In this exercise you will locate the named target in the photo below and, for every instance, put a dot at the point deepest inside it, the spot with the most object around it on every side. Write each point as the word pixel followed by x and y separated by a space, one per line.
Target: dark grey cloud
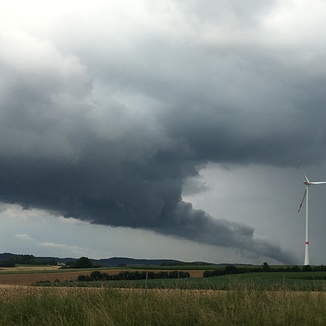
pixel 109 130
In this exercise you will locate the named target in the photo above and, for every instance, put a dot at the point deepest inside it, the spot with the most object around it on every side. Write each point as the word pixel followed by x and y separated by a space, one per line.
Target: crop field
pixel 271 298
pixel 28 275
pixel 25 305
pixel 259 281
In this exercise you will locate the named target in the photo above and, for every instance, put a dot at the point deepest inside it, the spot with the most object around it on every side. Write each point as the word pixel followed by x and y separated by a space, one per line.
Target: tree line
pixel 127 275
pixel 231 269
pixel 13 260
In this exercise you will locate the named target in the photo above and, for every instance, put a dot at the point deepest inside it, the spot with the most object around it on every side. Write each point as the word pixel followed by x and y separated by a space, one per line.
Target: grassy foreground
pixel 104 306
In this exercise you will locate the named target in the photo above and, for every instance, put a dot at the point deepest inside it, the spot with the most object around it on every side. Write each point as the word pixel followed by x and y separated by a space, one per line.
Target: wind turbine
pixel 307 183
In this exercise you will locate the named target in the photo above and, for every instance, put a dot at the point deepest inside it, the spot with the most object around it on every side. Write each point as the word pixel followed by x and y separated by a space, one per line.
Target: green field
pixel 294 281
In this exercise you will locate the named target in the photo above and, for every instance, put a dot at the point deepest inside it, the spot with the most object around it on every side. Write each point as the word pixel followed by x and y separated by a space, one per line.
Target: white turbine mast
pixel 307 183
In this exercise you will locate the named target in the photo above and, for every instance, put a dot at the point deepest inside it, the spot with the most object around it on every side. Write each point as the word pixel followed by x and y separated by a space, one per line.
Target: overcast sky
pixel 162 129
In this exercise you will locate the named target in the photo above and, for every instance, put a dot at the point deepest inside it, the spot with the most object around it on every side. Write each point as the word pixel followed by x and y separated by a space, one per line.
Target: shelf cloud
pixel 105 114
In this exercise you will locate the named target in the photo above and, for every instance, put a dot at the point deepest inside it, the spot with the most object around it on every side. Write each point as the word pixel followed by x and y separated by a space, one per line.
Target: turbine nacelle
pixel 309 183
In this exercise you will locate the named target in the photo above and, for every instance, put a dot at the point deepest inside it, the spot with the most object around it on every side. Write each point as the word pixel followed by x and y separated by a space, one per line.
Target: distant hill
pixel 6 256
pixel 114 261
pixel 117 261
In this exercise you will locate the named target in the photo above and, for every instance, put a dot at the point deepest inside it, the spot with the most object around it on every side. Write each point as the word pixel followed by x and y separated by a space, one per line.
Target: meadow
pixel 107 306
pixel 272 298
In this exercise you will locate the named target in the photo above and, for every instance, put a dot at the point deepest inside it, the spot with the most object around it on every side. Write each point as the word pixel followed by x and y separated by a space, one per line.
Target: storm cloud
pixel 106 112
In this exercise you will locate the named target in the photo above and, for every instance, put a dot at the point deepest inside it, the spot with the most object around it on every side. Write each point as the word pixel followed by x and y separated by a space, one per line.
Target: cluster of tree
pixel 82 262
pixel 7 263
pixel 231 269
pixel 13 260
pixel 98 276
pixel 180 263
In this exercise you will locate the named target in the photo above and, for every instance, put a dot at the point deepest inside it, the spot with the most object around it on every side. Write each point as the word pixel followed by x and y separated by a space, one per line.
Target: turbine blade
pixel 304 197
pixel 304 172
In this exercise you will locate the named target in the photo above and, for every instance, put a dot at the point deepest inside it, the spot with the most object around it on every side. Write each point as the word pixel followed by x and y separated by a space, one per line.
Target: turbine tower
pixel 307 183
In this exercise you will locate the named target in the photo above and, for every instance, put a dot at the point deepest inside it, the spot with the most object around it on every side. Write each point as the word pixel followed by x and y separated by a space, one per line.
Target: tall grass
pixel 84 306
